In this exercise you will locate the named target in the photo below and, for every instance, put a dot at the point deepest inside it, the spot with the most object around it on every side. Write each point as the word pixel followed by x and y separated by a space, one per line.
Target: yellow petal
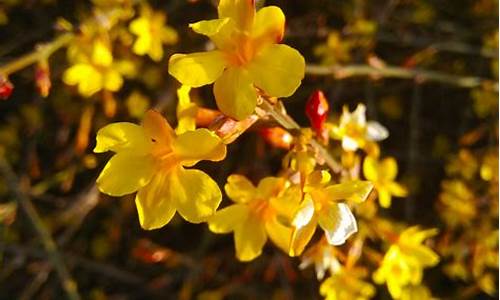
pixel 242 12
pixel 277 70
pixel 209 27
pixel 142 45
pixel 269 25
pixel 186 111
pixel 101 55
pixel 305 212
pixel 384 198
pixel 125 173
pixel 370 169
pixel 88 79
pixel 301 237
pixel 425 256
pixel 287 203
pixel 154 206
pixel 249 238
pixel 197 69
pixel 239 189
pixel 157 129
pixel 196 195
pixel 226 219
pixel 199 144
pixel 270 187
pixel 354 190
pixel 338 222
pixel 397 189
pixel 122 136
pixel 113 80
pixel 388 168
pixel 140 26
pixel 235 94
pixel 279 234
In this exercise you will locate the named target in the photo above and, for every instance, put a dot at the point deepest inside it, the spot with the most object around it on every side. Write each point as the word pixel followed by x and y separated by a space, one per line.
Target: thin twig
pixel 347 71
pixel 41 52
pixel 69 285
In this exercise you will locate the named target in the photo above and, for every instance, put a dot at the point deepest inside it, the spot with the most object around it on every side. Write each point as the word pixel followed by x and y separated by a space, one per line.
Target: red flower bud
pixel 317 111
pixel 6 88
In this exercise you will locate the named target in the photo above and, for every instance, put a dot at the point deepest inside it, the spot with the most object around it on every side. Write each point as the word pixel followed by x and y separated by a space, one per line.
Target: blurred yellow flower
pixel 347 284
pixel 416 292
pixel 150 159
pixel 95 72
pixel 247 57
pixel 324 205
pixel 354 131
pixel 382 174
pixel 405 260
pixel 152 33
pixel 255 216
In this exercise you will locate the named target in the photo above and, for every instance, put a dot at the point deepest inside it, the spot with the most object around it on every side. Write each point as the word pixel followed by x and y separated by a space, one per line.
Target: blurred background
pixel 426 70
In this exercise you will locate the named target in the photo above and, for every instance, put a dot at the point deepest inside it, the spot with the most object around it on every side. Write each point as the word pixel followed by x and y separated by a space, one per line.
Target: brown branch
pixel 420 75
pixel 69 285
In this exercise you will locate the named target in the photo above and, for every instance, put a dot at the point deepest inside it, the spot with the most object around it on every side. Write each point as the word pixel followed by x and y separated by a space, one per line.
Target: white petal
pixel 305 212
pixel 345 226
pixel 376 132
pixel 349 144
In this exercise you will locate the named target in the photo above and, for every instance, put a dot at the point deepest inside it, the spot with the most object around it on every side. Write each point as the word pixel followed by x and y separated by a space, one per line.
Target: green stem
pixel 41 52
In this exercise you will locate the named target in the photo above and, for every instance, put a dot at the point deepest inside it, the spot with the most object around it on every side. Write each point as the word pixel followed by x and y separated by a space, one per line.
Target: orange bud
pixel 277 137
pixel 317 111
pixel 42 78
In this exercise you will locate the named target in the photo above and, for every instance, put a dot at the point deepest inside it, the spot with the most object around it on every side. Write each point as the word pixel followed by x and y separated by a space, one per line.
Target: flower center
pixel 262 209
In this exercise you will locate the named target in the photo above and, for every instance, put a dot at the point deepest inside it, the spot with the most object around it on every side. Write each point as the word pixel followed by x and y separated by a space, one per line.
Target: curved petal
pixel 269 25
pixel 197 69
pixel 301 237
pixel 122 136
pixel 270 187
pixel 305 212
pixel 277 70
pixel 338 222
pixel 375 131
pixel 194 193
pixel 354 190
pixel 154 206
pixel 226 219
pixel 370 169
pixel 125 173
pixel 199 144
pixel 397 189
pixel 249 239
pixel 158 130
pixel 279 234
pixel 242 12
pixel 209 27
pixel 384 197
pixel 235 94
pixel 239 189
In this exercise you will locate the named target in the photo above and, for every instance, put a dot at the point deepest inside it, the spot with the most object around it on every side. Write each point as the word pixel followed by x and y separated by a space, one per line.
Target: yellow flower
pixel 347 284
pixel 150 159
pixel 405 260
pixel 354 131
pixel 323 205
pixel 254 217
pixel 457 203
pixel 247 57
pixel 151 33
pixel 382 174
pixel 94 72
